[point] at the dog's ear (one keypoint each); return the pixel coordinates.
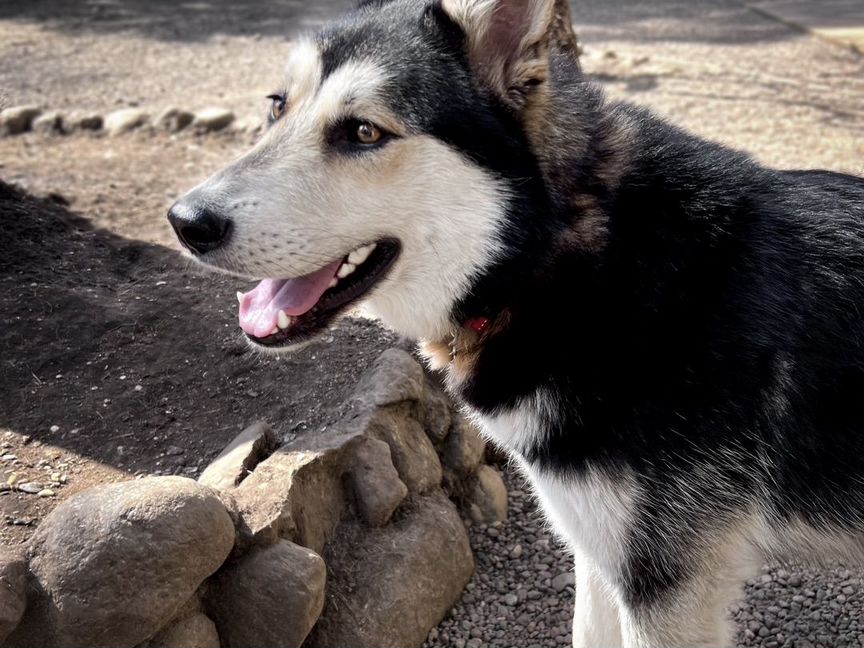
(508, 41)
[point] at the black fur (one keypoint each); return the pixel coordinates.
(717, 330)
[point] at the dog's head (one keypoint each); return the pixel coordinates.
(390, 173)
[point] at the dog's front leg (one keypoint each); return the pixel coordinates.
(596, 621)
(691, 608)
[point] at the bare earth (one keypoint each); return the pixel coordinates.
(97, 305)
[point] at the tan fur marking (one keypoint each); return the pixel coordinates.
(459, 353)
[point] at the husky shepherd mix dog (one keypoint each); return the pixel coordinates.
(665, 335)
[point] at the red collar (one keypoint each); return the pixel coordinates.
(478, 324)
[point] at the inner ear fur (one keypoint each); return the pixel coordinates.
(509, 41)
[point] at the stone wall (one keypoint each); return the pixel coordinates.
(347, 537)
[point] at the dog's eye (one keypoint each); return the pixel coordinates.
(367, 133)
(277, 106)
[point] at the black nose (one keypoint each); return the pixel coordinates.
(200, 229)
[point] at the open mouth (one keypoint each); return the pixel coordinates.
(283, 312)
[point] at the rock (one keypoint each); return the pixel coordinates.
(488, 499)
(13, 584)
(561, 581)
(18, 119)
(125, 120)
(115, 563)
(49, 123)
(239, 458)
(248, 125)
(174, 120)
(80, 121)
(212, 119)
(436, 414)
(46, 492)
(196, 631)
(389, 586)
(376, 483)
(297, 492)
(412, 451)
(31, 488)
(394, 378)
(270, 597)
(463, 450)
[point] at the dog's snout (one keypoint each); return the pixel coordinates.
(199, 228)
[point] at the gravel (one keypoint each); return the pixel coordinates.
(803, 608)
(522, 593)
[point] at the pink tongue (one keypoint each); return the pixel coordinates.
(259, 308)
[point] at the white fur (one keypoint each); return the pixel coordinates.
(596, 616)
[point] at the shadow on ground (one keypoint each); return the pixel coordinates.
(714, 21)
(119, 350)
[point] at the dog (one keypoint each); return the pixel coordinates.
(666, 336)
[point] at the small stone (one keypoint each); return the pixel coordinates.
(511, 599)
(46, 492)
(81, 121)
(9, 457)
(32, 488)
(54, 429)
(174, 451)
(561, 581)
(174, 120)
(212, 119)
(248, 125)
(125, 120)
(49, 123)
(516, 551)
(18, 119)
(488, 499)
(436, 416)
(376, 482)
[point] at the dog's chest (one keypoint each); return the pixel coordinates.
(592, 511)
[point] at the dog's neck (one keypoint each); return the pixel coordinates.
(580, 144)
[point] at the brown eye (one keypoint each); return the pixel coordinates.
(368, 133)
(277, 107)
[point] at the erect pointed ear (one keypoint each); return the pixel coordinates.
(509, 40)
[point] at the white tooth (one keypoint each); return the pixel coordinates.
(274, 331)
(239, 297)
(333, 282)
(359, 255)
(345, 269)
(283, 320)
